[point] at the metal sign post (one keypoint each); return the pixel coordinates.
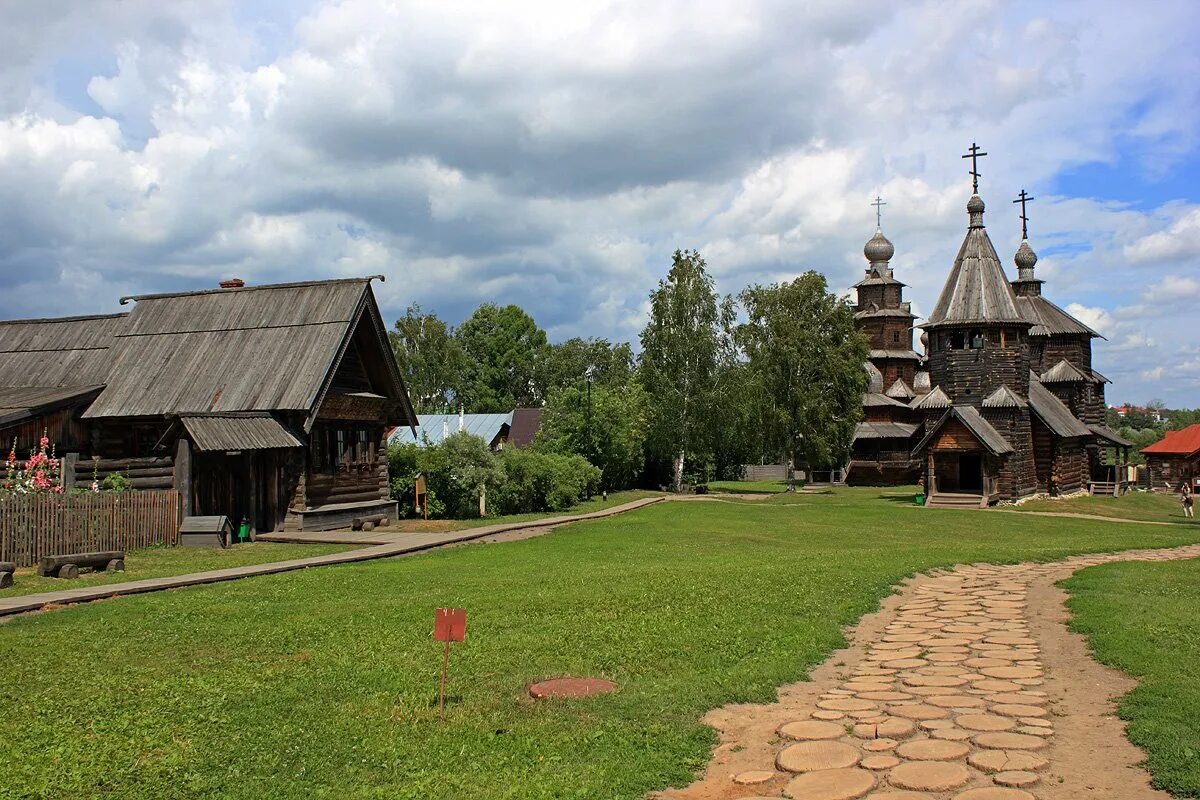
(449, 625)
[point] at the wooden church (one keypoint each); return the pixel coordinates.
(1003, 405)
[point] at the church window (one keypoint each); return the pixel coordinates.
(976, 340)
(895, 337)
(954, 341)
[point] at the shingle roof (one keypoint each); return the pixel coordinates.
(1003, 397)
(260, 348)
(68, 351)
(876, 400)
(884, 430)
(900, 390)
(1050, 320)
(908, 354)
(935, 399)
(874, 378)
(1064, 372)
(1108, 434)
(1056, 416)
(979, 427)
(27, 401)
(869, 313)
(237, 432)
(977, 290)
(1184, 442)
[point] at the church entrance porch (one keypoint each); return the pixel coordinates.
(957, 473)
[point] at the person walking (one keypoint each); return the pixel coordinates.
(1186, 498)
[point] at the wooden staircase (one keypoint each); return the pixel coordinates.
(956, 500)
(1104, 488)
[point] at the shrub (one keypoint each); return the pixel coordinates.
(540, 481)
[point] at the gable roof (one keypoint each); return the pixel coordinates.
(1050, 320)
(524, 426)
(876, 400)
(257, 348)
(212, 432)
(1109, 435)
(1003, 397)
(900, 390)
(1056, 416)
(979, 427)
(977, 290)
(1184, 442)
(935, 399)
(884, 430)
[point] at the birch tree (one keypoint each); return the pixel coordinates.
(683, 347)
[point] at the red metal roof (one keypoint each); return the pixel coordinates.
(1177, 443)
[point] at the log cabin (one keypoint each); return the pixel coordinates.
(261, 403)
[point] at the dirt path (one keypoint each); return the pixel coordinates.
(965, 686)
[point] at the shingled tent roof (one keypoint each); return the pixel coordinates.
(1048, 319)
(256, 348)
(1054, 413)
(977, 291)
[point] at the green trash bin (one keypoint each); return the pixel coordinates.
(919, 499)
(244, 530)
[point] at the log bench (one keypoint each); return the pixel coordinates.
(68, 566)
(7, 568)
(369, 522)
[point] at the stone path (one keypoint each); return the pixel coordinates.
(947, 702)
(393, 544)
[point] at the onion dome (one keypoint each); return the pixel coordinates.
(975, 209)
(1025, 259)
(878, 248)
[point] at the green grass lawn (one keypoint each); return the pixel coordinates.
(323, 683)
(597, 503)
(158, 562)
(748, 487)
(1141, 619)
(1155, 506)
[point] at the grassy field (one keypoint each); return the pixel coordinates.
(748, 487)
(586, 507)
(1155, 506)
(158, 562)
(323, 683)
(1141, 619)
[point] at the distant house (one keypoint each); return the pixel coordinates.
(1174, 459)
(514, 429)
(261, 402)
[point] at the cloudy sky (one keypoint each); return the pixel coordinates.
(554, 154)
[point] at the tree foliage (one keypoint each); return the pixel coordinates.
(684, 346)
(806, 355)
(614, 440)
(567, 364)
(430, 359)
(503, 347)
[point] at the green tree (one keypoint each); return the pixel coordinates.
(684, 346)
(806, 355)
(611, 435)
(567, 364)
(429, 358)
(503, 348)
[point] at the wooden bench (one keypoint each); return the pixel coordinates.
(369, 522)
(68, 566)
(7, 568)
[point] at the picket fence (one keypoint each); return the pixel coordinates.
(32, 526)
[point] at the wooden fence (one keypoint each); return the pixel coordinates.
(32, 526)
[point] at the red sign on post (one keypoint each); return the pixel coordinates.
(450, 625)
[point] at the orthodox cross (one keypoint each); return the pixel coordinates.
(879, 203)
(1024, 198)
(975, 155)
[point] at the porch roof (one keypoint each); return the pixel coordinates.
(979, 427)
(238, 432)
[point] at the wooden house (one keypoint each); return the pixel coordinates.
(267, 403)
(1175, 459)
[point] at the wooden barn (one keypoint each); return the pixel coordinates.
(267, 403)
(1174, 459)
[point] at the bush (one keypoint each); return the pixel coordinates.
(515, 481)
(538, 481)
